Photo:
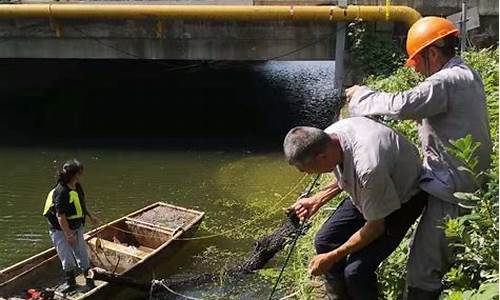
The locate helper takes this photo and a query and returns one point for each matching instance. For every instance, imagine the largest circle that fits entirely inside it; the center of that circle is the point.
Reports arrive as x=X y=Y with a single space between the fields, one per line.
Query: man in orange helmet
x=447 y=106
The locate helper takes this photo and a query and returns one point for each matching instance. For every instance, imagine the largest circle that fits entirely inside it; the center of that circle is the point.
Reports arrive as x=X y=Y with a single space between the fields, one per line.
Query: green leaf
x=466 y=196
x=486 y=291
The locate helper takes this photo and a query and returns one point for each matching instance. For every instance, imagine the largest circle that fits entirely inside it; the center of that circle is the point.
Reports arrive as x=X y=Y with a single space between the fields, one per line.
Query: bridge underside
x=173 y=40
x=176 y=39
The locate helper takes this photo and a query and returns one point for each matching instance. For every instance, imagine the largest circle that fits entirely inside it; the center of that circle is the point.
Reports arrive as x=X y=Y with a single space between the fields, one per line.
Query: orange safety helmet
x=424 y=32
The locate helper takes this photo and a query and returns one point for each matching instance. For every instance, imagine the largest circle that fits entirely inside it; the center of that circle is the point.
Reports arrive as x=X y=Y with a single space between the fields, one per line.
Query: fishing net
x=264 y=250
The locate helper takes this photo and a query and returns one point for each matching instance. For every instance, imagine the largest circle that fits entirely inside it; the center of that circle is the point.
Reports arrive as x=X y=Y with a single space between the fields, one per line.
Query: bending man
x=379 y=169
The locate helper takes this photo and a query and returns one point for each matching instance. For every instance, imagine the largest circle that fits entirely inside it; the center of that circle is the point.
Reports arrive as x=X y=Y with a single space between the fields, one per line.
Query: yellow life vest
x=73 y=199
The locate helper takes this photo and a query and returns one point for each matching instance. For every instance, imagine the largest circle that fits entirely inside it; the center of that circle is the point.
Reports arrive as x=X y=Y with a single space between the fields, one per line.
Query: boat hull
x=130 y=246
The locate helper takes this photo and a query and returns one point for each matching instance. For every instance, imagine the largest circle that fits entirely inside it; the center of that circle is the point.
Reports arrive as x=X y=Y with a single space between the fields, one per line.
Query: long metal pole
x=339 y=58
x=295 y=239
x=463 y=27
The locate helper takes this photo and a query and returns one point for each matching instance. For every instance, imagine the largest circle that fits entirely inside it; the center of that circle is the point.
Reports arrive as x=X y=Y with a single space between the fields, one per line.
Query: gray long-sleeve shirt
x=380 y=168
x=450 y=104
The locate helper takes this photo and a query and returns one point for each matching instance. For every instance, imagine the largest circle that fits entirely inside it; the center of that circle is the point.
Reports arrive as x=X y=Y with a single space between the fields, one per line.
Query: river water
x=205 y=137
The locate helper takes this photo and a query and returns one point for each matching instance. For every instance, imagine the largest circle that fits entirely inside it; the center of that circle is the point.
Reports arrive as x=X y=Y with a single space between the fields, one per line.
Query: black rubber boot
x=336 y=290
x=89 y=282
x=69 y=285
x=419 y=294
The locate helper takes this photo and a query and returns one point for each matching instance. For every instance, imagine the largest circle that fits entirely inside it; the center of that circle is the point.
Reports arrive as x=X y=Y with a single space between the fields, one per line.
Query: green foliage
x=464 y=150
x=373 y=53
x=485 y=291
x=402 y=79
x=485 y=61
x=392 y=272
x=474 y=236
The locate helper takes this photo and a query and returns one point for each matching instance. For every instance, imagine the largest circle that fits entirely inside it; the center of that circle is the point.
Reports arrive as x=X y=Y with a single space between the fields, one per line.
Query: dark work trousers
x=358 y=269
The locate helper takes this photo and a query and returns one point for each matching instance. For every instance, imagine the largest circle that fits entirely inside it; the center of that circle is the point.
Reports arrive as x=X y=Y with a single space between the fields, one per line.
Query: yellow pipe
x=246 y=13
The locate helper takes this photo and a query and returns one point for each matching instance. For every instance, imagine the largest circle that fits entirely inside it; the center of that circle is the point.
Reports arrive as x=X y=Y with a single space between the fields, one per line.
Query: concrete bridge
x=30 y=29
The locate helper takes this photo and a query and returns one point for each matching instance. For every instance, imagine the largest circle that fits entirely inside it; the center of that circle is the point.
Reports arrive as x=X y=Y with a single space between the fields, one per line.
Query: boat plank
x=127 y=250
x=160 y=228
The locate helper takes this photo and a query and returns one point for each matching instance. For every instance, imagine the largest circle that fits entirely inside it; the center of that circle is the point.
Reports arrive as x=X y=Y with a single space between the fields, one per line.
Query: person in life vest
x=449 y=105
x=65 y=211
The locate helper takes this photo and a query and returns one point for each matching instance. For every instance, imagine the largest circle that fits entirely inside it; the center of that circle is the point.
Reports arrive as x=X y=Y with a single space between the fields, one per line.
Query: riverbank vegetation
x=474 y=236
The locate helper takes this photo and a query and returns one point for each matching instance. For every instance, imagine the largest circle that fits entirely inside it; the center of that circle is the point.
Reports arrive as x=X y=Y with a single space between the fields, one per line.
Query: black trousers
x=358 y=269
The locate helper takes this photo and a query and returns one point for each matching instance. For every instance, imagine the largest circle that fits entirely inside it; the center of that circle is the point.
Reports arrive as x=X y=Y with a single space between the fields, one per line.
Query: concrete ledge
x=183 y=40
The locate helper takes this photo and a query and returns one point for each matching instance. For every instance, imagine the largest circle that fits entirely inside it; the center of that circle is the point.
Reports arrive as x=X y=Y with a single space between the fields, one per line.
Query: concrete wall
x=183 y=40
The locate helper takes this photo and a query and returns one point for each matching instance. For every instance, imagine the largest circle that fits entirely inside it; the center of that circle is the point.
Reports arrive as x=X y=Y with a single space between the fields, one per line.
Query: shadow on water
x=196 y=134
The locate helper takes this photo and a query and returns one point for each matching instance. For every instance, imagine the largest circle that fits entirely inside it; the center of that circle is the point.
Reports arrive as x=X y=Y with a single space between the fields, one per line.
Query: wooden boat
x=127 y=246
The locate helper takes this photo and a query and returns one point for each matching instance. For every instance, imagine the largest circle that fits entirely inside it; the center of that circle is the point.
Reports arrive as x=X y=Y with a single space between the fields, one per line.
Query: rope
x=166 y=287
x=295 y=239
x=151 y=288
x=290 y=296
x=269 y=211
x=104 y=254
x=258 y=217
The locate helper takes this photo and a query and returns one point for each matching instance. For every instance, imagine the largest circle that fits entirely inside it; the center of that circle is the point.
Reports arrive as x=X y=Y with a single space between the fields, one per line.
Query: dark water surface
x=206 y=137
